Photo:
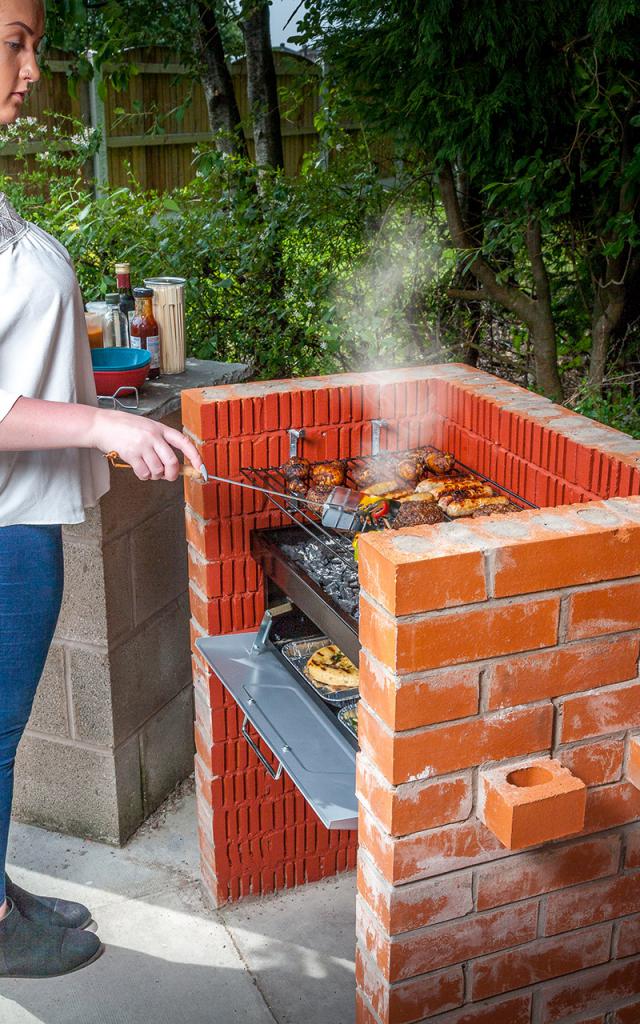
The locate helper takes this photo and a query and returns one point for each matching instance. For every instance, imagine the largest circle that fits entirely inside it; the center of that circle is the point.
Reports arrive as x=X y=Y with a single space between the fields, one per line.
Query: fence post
x=98 y=121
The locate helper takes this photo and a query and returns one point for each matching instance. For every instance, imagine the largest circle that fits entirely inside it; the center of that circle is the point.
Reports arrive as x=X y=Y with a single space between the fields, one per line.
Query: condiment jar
x=143 y=328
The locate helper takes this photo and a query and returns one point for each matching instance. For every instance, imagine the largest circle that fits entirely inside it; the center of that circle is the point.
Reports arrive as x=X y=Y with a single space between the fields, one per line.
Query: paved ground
x=170 y=959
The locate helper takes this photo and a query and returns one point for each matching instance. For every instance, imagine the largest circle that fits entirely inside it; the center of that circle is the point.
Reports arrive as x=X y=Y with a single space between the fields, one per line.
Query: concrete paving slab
x=163 y=964
x=170 y=958
x=300 y=945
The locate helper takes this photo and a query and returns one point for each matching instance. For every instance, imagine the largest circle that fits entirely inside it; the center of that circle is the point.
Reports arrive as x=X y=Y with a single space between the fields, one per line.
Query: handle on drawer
x=245 y=732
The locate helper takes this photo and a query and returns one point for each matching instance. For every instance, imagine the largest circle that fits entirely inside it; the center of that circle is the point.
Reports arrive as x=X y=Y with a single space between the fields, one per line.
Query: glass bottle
x=126 y=304
x=144 y=328
x=112 y=320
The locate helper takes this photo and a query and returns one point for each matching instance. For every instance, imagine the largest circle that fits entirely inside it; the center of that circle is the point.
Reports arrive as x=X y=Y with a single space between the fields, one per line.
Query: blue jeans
x=31 y=580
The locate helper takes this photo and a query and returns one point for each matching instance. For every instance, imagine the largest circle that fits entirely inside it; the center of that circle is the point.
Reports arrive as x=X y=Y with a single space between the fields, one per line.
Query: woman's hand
x=147 y=446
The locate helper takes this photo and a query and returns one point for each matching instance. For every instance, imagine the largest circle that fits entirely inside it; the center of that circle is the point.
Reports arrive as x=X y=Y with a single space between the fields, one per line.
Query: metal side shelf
x=317 y=758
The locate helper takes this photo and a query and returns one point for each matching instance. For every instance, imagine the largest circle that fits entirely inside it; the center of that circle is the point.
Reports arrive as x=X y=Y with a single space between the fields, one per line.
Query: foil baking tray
x=348 y=716
x=297 y=654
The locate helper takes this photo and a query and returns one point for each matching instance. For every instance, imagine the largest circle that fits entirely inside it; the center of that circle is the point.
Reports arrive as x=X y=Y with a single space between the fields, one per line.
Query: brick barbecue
x=498 y=847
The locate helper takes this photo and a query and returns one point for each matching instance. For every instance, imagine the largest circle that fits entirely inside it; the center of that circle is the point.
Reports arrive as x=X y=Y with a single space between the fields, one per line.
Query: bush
x=326 y=272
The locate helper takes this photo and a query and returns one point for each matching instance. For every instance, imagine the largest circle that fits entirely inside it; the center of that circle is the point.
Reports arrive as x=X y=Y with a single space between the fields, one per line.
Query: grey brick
x=66 y=788
x=151 y=668
x=167 y=749
x=49 y=712
x=158 y=561
x=83 y=614
x=117 y=583
x=91 y=699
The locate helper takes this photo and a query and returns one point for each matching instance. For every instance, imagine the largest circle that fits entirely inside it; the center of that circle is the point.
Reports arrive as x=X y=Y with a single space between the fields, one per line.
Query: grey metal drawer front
x=317 y=758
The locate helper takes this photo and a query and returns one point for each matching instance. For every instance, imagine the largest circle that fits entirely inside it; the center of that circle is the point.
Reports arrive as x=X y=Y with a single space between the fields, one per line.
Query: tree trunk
x=612 y=289
x=607 y=316
x=222 y=107
x=534 y=312
x=262 y=86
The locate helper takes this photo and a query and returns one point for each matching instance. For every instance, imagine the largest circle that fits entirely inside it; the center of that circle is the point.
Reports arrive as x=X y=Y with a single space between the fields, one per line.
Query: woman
x=52 y=440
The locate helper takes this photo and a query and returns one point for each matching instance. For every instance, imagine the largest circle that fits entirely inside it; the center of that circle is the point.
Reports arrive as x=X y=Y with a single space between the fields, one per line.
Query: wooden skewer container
x=168 y=309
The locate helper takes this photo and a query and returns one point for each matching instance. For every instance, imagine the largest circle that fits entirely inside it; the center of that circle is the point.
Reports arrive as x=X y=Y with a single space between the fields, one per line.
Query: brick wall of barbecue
x=256 y=835
x=535 y=653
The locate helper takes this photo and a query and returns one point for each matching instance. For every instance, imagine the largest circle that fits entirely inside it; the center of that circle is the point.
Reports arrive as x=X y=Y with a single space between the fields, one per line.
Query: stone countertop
x=159 y=398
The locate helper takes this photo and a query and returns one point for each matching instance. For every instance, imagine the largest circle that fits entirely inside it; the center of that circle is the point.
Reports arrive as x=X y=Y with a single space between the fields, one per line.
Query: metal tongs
x=185 y=468
x=344 y=511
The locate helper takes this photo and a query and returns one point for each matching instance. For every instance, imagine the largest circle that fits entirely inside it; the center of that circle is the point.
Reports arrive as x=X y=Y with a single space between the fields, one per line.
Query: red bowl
x=108 y=381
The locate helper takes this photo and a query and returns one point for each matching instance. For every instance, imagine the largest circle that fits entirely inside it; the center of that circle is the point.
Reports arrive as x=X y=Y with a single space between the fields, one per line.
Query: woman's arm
x=34 y=425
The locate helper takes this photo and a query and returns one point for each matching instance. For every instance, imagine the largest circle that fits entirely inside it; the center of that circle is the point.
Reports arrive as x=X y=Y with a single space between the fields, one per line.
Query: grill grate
x=273 y=479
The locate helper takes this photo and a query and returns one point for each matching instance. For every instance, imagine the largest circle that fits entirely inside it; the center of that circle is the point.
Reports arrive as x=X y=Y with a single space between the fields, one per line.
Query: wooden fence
x=165 y=161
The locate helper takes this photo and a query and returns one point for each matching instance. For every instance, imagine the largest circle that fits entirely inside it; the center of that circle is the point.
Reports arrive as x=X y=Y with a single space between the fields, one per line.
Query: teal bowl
x=115 y=368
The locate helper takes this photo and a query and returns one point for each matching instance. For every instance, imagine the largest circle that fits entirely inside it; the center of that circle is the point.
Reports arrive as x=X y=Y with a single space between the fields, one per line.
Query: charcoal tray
x=297 y=654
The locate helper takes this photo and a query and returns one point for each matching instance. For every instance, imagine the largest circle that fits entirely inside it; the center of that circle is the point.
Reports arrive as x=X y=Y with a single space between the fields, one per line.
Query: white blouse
x=44 y=353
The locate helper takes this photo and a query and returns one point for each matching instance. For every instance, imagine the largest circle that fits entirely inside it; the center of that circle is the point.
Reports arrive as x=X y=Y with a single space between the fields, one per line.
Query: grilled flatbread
x=330 y=667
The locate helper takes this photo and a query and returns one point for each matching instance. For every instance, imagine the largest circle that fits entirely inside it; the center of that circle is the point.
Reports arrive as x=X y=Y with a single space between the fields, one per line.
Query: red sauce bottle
x=144 y=329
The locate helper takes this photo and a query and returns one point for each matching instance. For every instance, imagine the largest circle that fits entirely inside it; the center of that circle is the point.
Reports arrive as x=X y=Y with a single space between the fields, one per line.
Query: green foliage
x=618 y=407
x=312 y=275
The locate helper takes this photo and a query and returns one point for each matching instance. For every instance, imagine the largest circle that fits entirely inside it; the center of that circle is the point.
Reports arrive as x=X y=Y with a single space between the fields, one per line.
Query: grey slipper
x=28 y=950
x=47 y=910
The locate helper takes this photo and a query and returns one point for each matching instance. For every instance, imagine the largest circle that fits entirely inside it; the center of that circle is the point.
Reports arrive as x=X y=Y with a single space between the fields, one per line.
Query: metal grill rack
x=273 y=482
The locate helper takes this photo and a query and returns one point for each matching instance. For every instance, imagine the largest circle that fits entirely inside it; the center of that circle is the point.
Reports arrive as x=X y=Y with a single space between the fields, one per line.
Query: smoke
x=386 y=308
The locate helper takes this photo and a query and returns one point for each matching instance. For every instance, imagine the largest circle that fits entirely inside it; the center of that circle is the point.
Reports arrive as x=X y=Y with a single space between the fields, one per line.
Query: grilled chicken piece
x=503 y=510
x=364 y=473
x=297 y=488
x=439 y=463
x=408 y=468
x=296 y=475
x=317 y=496
x=467 y=506
x=478 y=490
x=327 y=474
x=375 y=469
x=418 y=513
x=437 y=488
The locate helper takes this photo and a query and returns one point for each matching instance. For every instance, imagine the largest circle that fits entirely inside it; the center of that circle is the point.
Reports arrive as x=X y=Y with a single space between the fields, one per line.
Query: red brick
x=412 y=1000
x=449 y=638
x=533 y=803
x=610 y=806
x=443 y=945
x=417 y=805
x=633 y=763
x=626 y=1015
x=584 y=666
x=538 y=961
x=597 y=988
x=515 y=1010
x=532 y=874
x=364 y=1014
x=628 y=940
x=457 y=745
x=632 y=856
x=406 y=907
x=609 y=710
x=409 y=703
x=429 y=853
x=604 y=610
x=547 y=561
x=589 y=904
x=409 y=573
x=594 y=763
